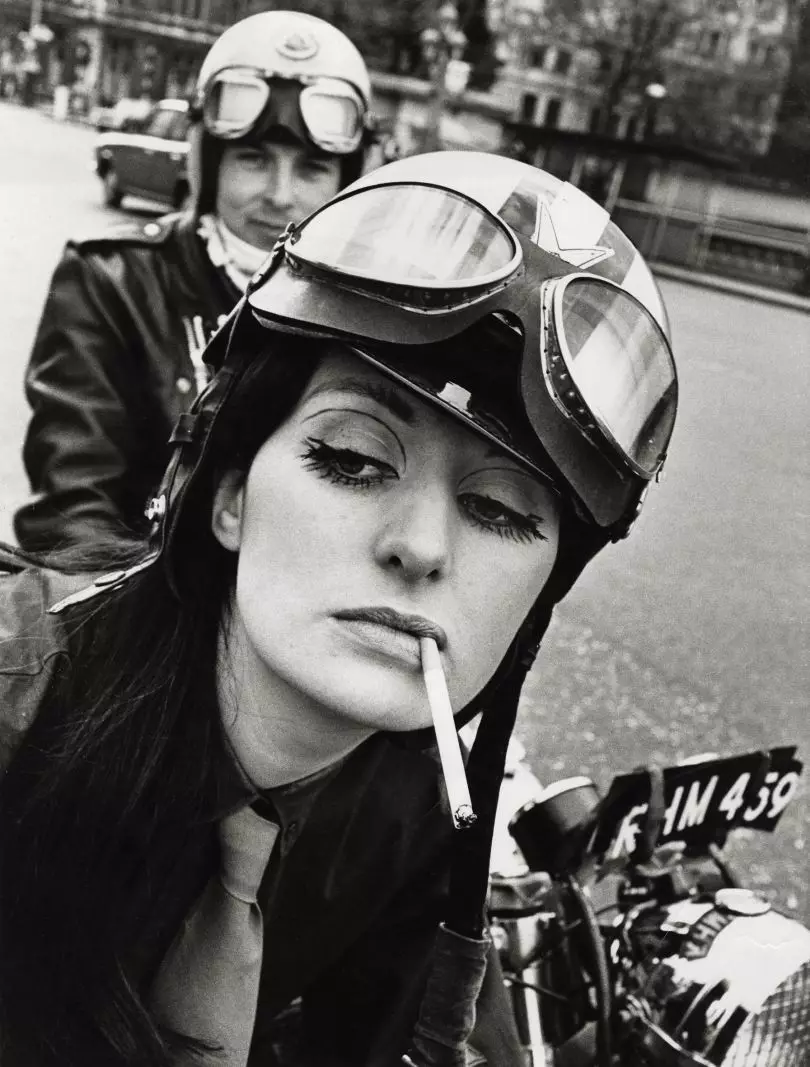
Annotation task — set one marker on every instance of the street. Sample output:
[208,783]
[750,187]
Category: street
[689,637]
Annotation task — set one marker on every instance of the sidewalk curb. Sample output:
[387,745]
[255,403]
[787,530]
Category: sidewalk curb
[733,286]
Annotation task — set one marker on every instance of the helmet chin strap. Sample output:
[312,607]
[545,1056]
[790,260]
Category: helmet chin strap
[471,847]
[469,874]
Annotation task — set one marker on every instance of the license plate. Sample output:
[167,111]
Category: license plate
[703,800]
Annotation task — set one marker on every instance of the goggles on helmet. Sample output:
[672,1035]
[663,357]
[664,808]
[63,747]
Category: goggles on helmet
[330,110]
[590,347]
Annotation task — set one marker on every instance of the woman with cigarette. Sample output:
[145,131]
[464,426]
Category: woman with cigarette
[223,793]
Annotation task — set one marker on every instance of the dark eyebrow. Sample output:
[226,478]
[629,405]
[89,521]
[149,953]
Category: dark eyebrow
[385,395]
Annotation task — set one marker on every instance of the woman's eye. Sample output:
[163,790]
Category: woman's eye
[493,516]
[345,466]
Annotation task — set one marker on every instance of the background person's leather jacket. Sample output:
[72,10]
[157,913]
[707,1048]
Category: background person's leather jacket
[114,362]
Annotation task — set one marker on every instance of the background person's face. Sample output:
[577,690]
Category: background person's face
[261,189]
[367,497]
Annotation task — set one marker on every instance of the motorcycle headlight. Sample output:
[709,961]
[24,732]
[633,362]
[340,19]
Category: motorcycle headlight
[723,982]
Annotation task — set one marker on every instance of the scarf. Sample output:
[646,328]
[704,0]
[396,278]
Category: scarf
[230,253]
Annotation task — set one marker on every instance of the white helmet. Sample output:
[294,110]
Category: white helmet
[289,45]
[281,69]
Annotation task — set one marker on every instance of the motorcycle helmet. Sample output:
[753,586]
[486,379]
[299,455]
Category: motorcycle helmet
[285,72]
[431,248]
[719,982]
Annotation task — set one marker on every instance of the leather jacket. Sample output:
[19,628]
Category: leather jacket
[115,360]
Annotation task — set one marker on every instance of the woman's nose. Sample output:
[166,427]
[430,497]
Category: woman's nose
[416,537]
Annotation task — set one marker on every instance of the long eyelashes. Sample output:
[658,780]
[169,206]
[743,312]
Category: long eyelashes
[342,466]
[345,467]
[496,517]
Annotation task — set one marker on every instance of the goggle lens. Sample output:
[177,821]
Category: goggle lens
[233,104]
[333,116]
[330,111]
[621,365]
[409,235]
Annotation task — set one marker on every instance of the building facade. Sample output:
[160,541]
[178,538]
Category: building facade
[719,75]
[708,73]
[109,49]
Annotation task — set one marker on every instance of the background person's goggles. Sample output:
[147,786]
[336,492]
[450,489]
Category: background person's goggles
[604,360]
[330,110]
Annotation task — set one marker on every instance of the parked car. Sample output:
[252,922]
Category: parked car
[124,114]
[147,156]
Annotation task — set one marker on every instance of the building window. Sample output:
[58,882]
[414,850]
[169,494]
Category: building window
[537,56]
[552,116]
[711,44]
[562,63]
[528,107]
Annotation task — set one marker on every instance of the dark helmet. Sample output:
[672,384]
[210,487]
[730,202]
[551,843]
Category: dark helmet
[279,70]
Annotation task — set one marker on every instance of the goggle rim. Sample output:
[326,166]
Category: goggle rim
[460,294]
[552,292]
[259,78]
[340,90]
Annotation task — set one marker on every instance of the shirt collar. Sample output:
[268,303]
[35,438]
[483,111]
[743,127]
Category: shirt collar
[286,804]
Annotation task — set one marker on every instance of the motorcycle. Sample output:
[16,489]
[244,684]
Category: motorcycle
[624,936]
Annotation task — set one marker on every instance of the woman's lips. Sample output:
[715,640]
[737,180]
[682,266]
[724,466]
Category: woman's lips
[392,633]
[393,644]
[405,622]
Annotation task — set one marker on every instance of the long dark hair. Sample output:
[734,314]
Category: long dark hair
[108,809]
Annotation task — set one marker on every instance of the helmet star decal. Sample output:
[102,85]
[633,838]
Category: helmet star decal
[562,221]
[545,236]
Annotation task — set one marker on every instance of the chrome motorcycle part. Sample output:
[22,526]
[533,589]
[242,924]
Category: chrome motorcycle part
[544,827]
[723,982]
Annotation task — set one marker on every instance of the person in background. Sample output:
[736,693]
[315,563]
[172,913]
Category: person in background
[280,122]
[222,807]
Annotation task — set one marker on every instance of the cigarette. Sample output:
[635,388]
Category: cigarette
[455,778]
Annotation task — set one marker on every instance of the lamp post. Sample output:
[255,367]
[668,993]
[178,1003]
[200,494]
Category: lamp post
[638,109]
[35,38]
[443,44]
[654,93]
[636,120]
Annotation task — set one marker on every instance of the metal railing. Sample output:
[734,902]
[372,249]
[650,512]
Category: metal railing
[749,250]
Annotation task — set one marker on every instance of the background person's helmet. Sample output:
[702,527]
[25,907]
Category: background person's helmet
[291,53]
